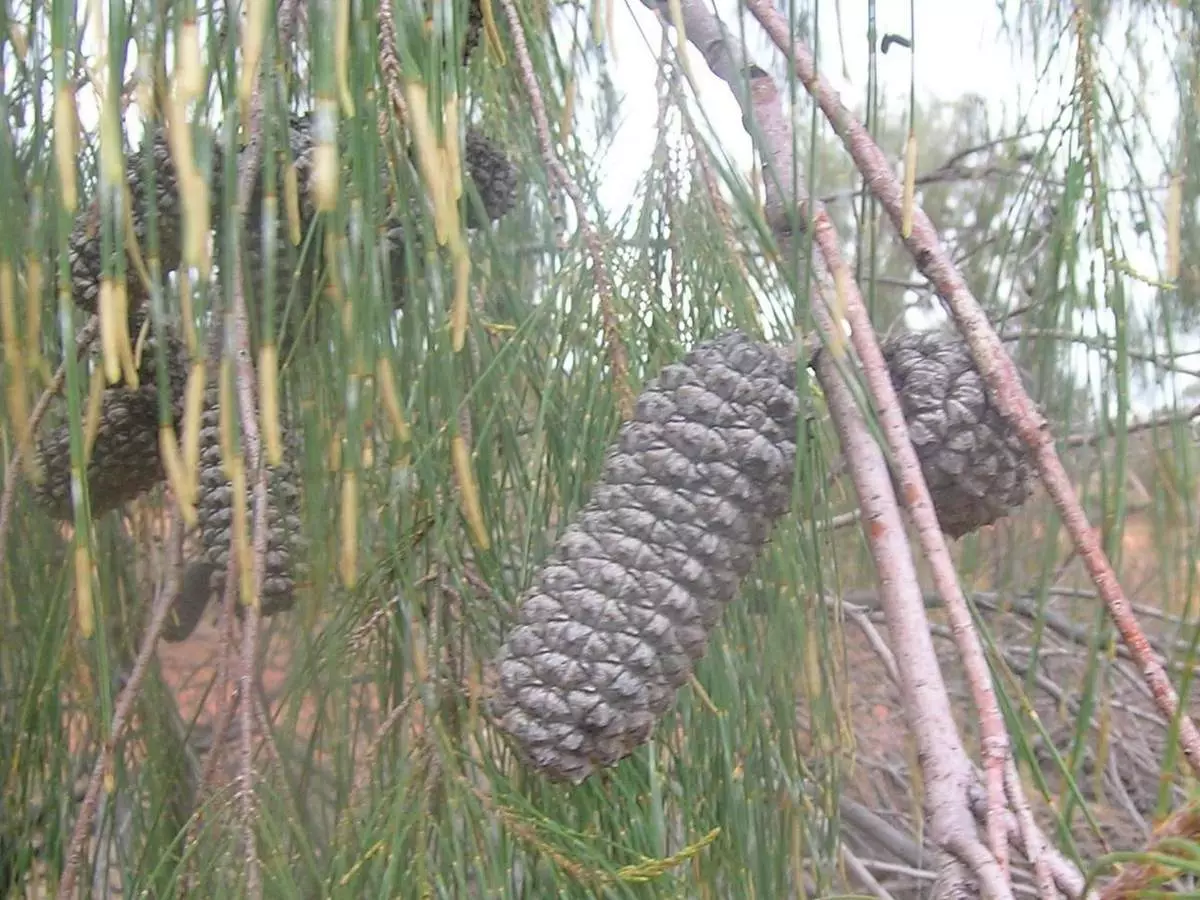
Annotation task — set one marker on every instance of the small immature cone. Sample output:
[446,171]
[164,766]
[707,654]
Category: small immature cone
[125,461]
[214,509]
[620,613]
[976,465]
[494,176]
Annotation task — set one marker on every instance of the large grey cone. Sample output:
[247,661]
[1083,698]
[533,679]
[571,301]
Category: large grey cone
[617,617]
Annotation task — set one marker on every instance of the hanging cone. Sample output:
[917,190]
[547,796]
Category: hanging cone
[976,465]
[297,267]
[84,246]
[494,176]
[620,613]
[214,508]
[125,461]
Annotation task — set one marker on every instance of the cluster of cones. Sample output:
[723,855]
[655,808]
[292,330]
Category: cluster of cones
[124,460]
[618,616]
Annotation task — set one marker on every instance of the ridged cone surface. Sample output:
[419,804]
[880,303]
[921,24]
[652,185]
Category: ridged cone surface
[619,614]
[214,508]
[287,257]
[976,465]
[84,246]
[494,175]
[125,461]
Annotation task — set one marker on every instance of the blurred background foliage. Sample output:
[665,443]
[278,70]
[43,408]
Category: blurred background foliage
[785,769]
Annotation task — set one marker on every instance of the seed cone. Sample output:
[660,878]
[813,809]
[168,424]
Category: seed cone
[125,460]
[214,509]
[298,266]
[291,262]
[474,29]
[493,174]
[495,178]
[976,465]
[619,614]
[85,248]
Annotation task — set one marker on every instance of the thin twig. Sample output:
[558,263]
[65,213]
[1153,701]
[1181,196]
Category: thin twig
[858,615]
[1099,344]
[249,161]
[389,63]
[998,370]
[12,472]
[617,353]
[1165,420]
[1037,847]
[863,874]
[121,713]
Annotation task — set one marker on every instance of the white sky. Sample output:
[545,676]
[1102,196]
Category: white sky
[959,49]
[966,57]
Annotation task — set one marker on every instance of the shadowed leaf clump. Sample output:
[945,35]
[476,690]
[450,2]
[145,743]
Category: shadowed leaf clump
[976,465]
[620,613]
[195,589]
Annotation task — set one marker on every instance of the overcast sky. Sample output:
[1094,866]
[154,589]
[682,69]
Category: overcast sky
[959,50]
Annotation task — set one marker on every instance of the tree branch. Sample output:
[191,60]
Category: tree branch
[997,368]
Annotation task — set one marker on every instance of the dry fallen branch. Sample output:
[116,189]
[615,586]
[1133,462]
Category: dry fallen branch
[994,364]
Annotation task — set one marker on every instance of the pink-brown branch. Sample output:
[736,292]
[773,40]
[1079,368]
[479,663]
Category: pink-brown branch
[944,761]
[947,768]
[994,364]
